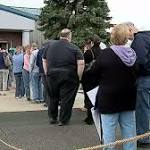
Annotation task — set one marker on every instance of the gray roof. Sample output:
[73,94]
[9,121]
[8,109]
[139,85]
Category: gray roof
[31,13]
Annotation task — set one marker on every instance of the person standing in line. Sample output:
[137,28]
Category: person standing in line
[4,70]
[25,71]
[39,63]
[92,50]
[17,70]
[116,73]
[141,45]
[36,90]
[63,64]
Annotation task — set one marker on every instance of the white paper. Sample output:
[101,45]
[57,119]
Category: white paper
[96,119]
[92,95]
[95,113]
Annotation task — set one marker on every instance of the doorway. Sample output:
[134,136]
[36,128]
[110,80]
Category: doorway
[4,44]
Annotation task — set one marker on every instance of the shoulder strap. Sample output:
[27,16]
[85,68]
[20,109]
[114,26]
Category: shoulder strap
[93,57]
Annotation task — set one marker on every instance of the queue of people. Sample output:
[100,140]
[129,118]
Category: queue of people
[28,80]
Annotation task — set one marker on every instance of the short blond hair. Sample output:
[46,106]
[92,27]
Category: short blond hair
[27,49]
[120,34]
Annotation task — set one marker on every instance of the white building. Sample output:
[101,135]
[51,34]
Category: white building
[18,26]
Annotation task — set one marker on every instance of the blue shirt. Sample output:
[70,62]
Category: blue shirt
[17,63]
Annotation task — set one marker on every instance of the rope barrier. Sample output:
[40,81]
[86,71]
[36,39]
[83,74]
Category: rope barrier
[10,146]
[119,142]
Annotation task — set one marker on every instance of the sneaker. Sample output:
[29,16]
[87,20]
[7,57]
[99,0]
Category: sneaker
[63,123]
[37,101]
[17,97]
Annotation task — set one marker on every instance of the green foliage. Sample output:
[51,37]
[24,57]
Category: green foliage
[84,17]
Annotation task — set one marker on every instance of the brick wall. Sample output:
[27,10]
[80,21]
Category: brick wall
[13,38]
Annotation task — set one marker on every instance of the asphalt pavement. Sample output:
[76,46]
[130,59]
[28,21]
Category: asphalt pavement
[25,125]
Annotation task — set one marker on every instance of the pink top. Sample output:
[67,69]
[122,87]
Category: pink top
[26,62]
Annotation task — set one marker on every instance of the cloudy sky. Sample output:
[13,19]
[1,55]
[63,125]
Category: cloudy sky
[121,10]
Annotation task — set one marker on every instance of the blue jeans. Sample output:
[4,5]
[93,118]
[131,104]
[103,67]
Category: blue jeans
[45,89]
[26,80]
[143,107]
[19,86]
[36,90]
[127,124]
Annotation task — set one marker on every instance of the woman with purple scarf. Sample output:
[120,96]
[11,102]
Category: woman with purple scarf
[116,98]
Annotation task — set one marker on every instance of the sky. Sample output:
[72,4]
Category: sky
[135,11]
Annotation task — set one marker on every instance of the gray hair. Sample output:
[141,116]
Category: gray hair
[129,24]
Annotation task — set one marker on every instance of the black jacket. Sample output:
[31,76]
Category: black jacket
[87,79]
[117,89]
[141,45]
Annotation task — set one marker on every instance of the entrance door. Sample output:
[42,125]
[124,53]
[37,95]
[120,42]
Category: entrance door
[4,44]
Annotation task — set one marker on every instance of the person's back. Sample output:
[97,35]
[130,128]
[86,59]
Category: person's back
[116,98]
[62,54]
[3,70]
[33,67]
[141,45]
[17,70]
[63,64]
[35,78]
[2,63]
[18,63]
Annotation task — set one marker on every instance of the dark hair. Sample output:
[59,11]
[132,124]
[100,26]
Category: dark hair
[96,40]
[87,41]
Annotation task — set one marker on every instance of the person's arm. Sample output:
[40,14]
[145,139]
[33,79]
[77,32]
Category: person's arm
[31,65]
[45,66]
[140,45]
[38,59]
[80,62]
[80,68]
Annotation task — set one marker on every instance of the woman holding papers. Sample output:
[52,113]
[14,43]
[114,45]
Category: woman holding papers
[116,70]
[92,50]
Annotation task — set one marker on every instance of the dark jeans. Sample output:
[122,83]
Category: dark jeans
[26,80]
[62,85]
[19,86]
[143,107]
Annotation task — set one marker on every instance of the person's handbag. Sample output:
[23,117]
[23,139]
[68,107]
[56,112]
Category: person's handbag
[88,66]
[7,60]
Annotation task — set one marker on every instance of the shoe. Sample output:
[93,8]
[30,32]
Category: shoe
[53,121]
[143,145]
[37,101]
[28,99]
[62,123]
[45,105]
[88,121]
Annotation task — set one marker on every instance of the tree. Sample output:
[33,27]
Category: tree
[84,17]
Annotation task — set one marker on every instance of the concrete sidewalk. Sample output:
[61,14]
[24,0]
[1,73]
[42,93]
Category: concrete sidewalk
[8,103]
